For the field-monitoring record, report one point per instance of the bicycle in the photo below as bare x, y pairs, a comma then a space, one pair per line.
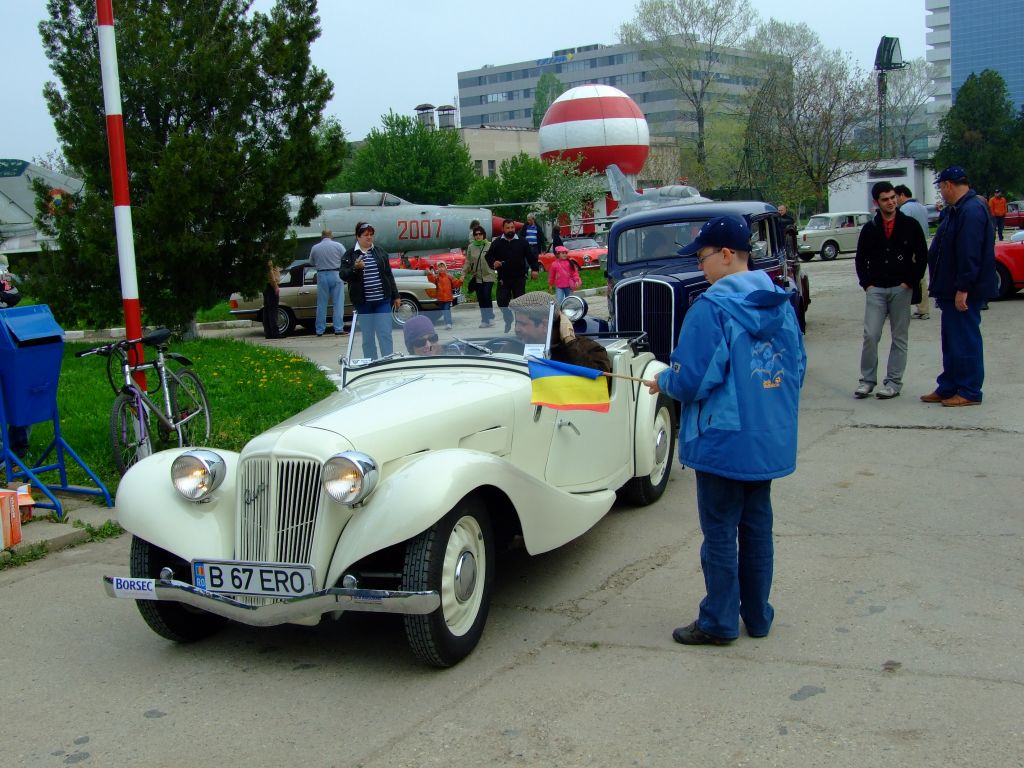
185, 412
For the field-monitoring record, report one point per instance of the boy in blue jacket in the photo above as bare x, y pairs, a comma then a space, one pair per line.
737, 371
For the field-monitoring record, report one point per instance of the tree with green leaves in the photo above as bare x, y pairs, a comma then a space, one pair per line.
685, 39
408, 159
548, 89
982, 133
805, 115
222, 119
548, 187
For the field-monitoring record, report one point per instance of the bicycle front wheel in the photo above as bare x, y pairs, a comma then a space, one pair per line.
130, 436
190, 404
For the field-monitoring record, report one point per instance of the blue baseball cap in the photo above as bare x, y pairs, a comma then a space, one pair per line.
954, 173
720, 232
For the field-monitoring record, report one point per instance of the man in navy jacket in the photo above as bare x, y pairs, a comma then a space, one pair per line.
961, 265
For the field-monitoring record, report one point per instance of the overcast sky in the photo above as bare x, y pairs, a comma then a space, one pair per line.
395, 54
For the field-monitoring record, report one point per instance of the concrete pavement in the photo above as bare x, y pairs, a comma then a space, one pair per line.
899, 593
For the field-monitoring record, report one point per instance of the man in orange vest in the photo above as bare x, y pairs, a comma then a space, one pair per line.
997, 205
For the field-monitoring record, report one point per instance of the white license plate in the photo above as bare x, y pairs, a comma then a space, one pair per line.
264, 579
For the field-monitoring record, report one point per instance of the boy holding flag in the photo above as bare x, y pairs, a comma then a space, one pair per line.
737, 371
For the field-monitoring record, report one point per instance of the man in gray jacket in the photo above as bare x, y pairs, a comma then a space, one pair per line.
910, 207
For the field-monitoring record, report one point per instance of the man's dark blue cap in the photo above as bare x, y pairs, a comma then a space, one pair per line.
720, 232
954, 173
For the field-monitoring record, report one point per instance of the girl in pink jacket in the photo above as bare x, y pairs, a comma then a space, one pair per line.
564, 275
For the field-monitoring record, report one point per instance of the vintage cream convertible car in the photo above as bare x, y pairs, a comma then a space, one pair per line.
370, 501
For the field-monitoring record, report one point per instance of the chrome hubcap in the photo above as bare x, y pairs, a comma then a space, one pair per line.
465, 576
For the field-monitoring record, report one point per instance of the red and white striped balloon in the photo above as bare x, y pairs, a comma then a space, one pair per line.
600, 123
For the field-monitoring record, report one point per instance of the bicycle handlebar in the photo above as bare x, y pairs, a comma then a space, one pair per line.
154, 339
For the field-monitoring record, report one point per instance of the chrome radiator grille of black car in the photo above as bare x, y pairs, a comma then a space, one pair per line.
278, 512
647, 305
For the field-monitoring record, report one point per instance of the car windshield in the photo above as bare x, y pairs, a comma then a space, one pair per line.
428, 336
581, 242
818, 222
656, 242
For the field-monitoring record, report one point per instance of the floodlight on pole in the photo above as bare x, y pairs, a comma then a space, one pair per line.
888, 57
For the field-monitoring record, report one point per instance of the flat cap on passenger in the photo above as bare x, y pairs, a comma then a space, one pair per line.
531, 300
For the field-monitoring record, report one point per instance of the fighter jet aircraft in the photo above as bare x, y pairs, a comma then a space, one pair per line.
401, 226
631, 201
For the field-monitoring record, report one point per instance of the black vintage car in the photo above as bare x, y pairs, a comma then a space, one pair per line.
650, 287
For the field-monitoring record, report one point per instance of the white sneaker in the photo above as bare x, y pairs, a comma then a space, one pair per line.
887, 393
863, 391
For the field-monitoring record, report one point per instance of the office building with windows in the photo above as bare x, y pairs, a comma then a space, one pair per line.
504, 94
969, 36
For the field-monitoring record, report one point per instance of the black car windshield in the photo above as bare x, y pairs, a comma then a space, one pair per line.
656, 242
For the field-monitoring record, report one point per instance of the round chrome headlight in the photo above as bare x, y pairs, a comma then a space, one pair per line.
349, 477
574, 307
197, 474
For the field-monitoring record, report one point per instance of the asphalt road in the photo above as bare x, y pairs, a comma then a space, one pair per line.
899, 593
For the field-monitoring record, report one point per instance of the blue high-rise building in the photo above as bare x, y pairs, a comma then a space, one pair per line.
969, 36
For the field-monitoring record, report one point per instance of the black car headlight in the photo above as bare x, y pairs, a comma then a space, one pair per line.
196, 474
349, 477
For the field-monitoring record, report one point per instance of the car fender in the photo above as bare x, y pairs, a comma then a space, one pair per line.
425, 489
149, 507
643, 447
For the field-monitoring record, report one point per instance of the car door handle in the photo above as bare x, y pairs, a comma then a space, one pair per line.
564, 423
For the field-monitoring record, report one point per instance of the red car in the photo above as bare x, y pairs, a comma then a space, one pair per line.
454, 259
585, 251
1015, 214
1010, 267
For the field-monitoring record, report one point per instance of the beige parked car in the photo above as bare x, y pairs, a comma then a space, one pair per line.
830, 234
297, 304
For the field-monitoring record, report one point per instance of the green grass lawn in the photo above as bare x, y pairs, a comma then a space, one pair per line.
250, 389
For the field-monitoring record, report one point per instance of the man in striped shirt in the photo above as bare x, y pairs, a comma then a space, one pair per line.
367, 270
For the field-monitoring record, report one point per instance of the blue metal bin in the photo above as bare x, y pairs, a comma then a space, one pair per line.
31, 349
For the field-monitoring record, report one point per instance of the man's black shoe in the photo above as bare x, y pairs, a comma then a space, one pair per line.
691, 635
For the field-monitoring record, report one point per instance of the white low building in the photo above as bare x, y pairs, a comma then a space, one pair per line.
854, 192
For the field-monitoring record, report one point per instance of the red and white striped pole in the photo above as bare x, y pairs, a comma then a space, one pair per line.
119, 180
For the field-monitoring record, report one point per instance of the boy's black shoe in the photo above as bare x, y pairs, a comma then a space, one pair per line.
691, 635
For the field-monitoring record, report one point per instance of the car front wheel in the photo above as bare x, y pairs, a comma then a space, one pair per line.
175, 621
806, 256
1004, 283
641, 491
455, 558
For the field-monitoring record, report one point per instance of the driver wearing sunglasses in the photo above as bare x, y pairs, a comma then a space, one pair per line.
420, 337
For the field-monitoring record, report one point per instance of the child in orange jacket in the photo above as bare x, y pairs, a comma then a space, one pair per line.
446, 285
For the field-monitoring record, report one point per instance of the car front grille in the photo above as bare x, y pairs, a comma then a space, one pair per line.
647, 305
279, 501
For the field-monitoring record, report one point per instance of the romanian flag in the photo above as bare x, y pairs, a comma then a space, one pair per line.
567, 387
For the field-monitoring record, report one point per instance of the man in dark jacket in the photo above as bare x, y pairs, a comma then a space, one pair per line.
962, 270
367, 270
510, 256
891, 258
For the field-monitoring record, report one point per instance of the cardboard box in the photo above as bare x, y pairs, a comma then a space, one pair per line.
25, 500
10, 517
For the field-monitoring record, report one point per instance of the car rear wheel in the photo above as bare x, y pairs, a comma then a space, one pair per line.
285, 321
455, 558
829, 251
174, 621
1004, 283
406, 311
641, 491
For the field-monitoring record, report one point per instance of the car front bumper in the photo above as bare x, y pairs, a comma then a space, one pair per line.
296, 609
